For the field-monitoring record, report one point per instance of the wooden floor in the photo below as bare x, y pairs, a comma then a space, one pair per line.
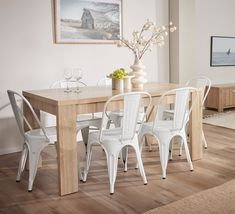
131, 196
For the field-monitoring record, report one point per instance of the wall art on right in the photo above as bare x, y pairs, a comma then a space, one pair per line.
222, 51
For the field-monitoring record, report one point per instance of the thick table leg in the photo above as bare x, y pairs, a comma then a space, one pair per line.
195, 128
67, 150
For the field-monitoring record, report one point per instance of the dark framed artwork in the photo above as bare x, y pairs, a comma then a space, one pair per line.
222, 51
88, 21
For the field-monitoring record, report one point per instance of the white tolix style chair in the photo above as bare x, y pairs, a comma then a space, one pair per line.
35, 140
113, 140
200, 82
165, 130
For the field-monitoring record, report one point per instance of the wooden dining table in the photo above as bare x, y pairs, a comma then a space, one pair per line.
91, 99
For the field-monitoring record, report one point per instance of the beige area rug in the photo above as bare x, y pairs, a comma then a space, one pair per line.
217, 200
226, 119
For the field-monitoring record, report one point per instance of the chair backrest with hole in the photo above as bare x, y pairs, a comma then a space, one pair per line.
19, 116
200, 82
130, 104
181, 107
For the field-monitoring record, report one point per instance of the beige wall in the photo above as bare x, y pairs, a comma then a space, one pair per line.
162, 17
174, 42
198, 20
182, 50
213, 18
186, 40
29, 59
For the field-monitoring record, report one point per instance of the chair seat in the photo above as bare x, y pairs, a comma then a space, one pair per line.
83, 117
162, 125
115, 115
84, 121
169, 114
107, 135
170, 111
37, 134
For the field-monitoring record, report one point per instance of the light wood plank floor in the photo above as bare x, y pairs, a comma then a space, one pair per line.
131, 196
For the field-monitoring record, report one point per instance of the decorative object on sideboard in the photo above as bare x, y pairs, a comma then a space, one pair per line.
143, 41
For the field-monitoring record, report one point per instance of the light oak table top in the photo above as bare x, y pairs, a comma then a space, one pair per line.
66, 107
91, 94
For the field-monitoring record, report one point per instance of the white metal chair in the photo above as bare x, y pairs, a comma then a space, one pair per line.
113, 140
165, 130
204, 84
35, 140
115, 118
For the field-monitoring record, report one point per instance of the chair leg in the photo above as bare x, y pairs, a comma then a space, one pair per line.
181, 147
108, 124
34, 153
79, 169
112, 162
117, 122
124, 156
22, 162
140, 143
184, 139
171, 149
88, 161
85, 133
204, 140
149, 144
164, 154
140, 163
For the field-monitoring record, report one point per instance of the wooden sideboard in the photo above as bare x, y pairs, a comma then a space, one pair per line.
221, 96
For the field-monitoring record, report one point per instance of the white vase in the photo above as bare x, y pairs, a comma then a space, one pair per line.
139, 74
117, 84
127, 82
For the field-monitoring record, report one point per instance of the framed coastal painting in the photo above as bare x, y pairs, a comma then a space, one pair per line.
88, 21
222, 51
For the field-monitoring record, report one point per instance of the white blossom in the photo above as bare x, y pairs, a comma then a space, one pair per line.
143, 40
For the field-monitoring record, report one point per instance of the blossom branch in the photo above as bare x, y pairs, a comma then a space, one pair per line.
139, 44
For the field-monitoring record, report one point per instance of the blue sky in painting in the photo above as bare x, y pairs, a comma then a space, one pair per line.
223, 44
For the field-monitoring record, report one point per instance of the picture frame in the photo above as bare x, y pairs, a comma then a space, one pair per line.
88, 21
222, 51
